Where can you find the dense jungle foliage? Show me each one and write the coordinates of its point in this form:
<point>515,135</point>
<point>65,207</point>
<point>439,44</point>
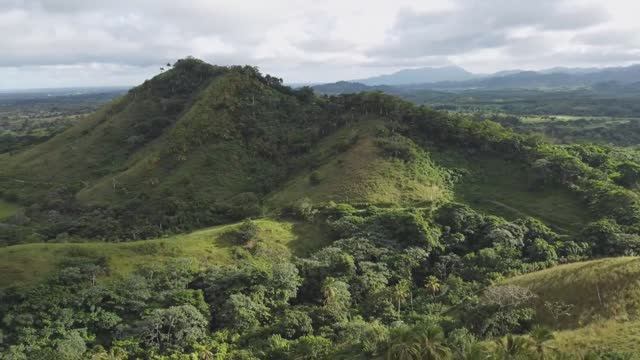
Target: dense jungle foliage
<point>394,283</point>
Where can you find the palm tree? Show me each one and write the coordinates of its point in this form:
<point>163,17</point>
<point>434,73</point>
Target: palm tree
<point>513,348</point>
<point>401,291</point>
<point>432,284</point>
<point>329,293</point>
<point>203,352</point>
<point>476,352</point>
<point>430,343</point>
<point>540,335</point>
<point>402,351</point>
<point>115,353</point>
<point>403,346</point>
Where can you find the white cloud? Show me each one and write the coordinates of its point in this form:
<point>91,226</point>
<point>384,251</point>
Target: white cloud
<point>82,42</point>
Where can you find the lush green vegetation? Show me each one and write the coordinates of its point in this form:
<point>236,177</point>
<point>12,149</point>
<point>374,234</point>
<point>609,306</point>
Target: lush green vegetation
<point>29,263</point>
<point>605,113</point>
<point>7,209</point>
<point>359,164</point>
<point>611,334</point>
<point>349,227</point>
<point>503,187</point>
<point>600,289</point>
<point>391,281</point>
<point>569,130</point>
<point>601,99</point>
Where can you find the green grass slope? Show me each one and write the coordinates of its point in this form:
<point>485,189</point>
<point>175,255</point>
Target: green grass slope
<point>590,291</point>
<point>353,169</point>
<point>214,167</point>
<point>7,209</point>
<point>501,187</point>
<point>104,143</point>
<point>29,263</point>
<point>201,145</point>
<point>195,140</point>
<point>609,335</point>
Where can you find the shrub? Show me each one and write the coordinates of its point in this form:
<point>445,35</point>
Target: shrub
<point>314,178</point>
<point>246,232</point>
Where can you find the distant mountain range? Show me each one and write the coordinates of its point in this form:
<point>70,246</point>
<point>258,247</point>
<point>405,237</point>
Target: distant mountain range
<point>457,78</point>
<point>421,75</point>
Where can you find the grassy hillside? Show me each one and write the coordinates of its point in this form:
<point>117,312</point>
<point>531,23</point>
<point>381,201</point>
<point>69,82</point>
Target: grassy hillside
<point>203,153</point>
<point>202,145</point>
<point>502,187</point>
<point>354,169</point>
<point>592,290</point>
<point>610,335</point>
<point>29,263</point>
<point>106,144</point>
<point>7,209</point>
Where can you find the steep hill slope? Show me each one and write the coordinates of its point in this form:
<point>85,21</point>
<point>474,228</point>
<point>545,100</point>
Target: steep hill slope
<point>200,145</point>
<point>609,335</point>
<point>151,142</point>
<point>353,167</point>
<point>587,291</point>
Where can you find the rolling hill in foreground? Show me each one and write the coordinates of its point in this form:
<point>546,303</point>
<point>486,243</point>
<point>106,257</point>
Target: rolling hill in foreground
<point>600,302</point>
<point>213,213</point>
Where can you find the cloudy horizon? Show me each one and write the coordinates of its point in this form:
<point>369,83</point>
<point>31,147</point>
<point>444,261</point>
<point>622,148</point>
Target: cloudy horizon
<point>64,43</point>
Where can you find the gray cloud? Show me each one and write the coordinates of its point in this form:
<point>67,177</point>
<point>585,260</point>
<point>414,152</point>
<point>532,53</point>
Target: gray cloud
<point>125,40</point>
<point>476,24</point>
<point>608,38</point>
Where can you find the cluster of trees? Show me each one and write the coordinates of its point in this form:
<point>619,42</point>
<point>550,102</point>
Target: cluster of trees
<point>411,283</point>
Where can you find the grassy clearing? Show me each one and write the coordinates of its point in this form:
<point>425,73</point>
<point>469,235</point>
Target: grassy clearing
<point>608,335</point>
<point>362,174</point>
<point>605,289</point>
<point>29,263</point>
<point>501,187</point>
<point>7,209</point>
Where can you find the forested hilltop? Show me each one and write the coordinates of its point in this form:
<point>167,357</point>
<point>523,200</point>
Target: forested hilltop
<point>214,213</point>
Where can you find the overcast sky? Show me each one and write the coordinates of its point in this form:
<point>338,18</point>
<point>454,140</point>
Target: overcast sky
<point>54,43</point>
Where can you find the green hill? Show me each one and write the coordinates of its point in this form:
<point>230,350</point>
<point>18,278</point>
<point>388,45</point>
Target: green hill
<point>7,209</point>
<point>353,168</point>
<point>395,214</point>
<point>590,291</point>
<point>202,145</point>
<point>31,263</point>
<point>594,305</point>
<point>502,187</point>
<point>178,132</point>
<point>609,335</point>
